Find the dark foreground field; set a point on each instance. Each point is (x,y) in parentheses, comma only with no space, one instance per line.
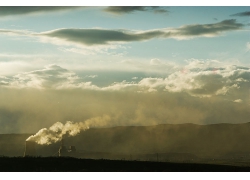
(67,164)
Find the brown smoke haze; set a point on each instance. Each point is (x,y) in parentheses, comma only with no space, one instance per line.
(28,111)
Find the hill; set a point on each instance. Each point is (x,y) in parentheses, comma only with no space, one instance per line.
(66,164)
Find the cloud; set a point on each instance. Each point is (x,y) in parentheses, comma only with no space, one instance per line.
(238,101)
(4,80)
(92,76)
(100,36)
(209,29)
(156,62)
(198,78)
(105,36)
(25,10)
(110,37)
(51,77)
(13,32)
(246,13)
(131,9)
(31,10)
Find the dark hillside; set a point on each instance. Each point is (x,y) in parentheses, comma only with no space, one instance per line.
(56,164)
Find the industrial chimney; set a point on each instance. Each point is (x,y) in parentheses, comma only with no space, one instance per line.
(30,148)
(62,149)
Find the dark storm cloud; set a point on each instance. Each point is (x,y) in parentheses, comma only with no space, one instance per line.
(246,13)
(105,36)
(131,9)
(23,10)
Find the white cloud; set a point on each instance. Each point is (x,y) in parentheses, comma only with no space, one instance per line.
(3,80)
(200,80)
(238,101)
(156,62)
(52,76)
(92,76)
(121,86)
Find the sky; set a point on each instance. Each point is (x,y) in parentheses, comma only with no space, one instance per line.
(136,65)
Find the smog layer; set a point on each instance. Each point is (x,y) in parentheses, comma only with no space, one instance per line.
(186,142)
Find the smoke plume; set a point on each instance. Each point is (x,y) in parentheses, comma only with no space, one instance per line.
(58,130)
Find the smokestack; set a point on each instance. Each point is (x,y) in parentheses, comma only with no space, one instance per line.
(62,149)
(30,148)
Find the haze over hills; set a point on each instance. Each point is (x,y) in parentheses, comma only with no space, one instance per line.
(189,140)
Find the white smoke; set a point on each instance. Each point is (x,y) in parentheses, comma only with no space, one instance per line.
(58,130)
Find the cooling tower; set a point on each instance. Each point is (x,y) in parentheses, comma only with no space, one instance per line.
(30,148)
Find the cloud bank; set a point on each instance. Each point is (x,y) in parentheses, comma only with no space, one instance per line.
(198,78)
(96,37)
(51,77)
(106,36)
